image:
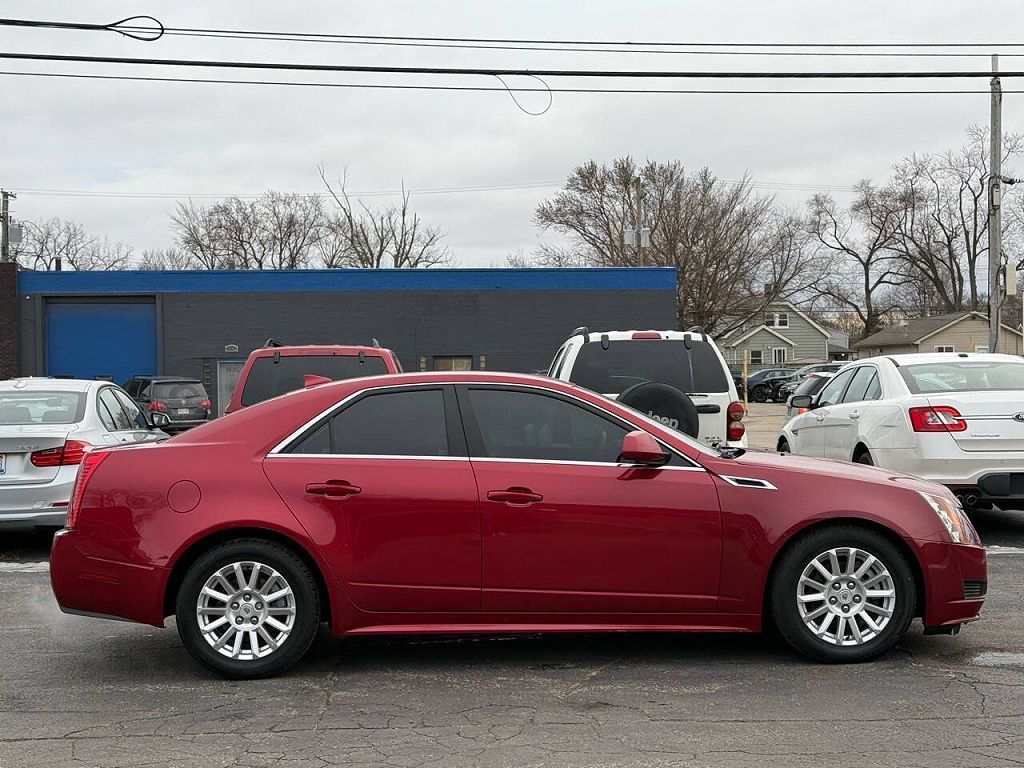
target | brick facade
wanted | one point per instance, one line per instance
(9, 326)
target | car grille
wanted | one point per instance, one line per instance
(975, 589)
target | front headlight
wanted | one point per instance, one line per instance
(953, 517)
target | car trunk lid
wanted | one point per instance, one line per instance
(995, 420)
(19, 442)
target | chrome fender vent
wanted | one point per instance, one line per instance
(749, 482)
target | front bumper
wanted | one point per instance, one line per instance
(946, 568)
(96, 587)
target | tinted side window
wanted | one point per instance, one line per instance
(268, 379)
(131, 409)
(830, 395)
(527, 425)
(857, 391)
(116, 415)
(388, 424)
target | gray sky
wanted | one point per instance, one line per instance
(186, 139)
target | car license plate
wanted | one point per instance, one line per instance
(3, 463)
(183, 411)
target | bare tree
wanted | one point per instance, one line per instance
(733, 251)
(275, 231)
(856, 240)
(166, 259)
(60, 244)
(389, 237)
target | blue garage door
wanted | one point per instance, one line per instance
(89, 339)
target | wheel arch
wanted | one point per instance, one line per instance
(195, 550)
(859, 449)
(894, 538)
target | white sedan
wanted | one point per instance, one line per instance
(954, 418)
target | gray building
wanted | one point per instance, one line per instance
(203, 324)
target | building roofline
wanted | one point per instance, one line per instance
(755, 330)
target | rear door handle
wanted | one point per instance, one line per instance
(516, 496)
(335, 489)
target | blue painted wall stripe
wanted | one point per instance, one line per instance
(243, 281)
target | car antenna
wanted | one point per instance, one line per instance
(375, 342)
(272, 343)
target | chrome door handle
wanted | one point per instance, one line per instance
(855, 415)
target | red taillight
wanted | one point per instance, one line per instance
(157, 405)
(69, 453)
(734, 427)
(937, 418)
(90, 461)
(206, 404)
(646, 335)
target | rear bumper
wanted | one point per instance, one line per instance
(945, 568)
(33, 505)
(95, 587)
(953, 467)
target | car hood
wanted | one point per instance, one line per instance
(767, 465)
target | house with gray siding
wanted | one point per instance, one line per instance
(780, 335)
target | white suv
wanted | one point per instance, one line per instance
(953, 418)
(677, 377)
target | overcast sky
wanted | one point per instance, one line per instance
(182, 139)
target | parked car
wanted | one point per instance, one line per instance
(811, 385)
(480, 503)
(183, 400)
(678, 377)
(758, 386)
(273, 370)
(954, 418)
(46, 425)
(782, 388)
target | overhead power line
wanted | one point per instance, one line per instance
(508, 71)
(502, 89)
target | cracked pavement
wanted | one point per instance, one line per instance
(84, 692)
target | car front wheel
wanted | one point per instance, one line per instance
(247, 609)
(759, 394)
(843, 594)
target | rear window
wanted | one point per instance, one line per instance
(41, 407)
(811, 385)
(668, 361)
(179, 390)
(963, 376)
(268, 379)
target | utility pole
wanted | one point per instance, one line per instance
(640, 220)
(5, 225)
(995, 233)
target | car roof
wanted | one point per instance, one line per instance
(321, 349)
(46, 384)
(950, 357)
(628, 335)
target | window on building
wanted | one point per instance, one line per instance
(945, 348)
(756, 357)
(777, 320)
(981, 347)
(453, 363)
(779, 355)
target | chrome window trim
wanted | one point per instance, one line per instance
(277, 449)
(364, 456)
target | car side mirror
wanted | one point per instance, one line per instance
(159, 420)
(802, 401)
(638, 447)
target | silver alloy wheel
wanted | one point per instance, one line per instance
(846, 596)
(246, 610)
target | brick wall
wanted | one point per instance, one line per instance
(9, 327)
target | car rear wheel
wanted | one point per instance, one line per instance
(843, 594)
(248, 608)
(784, 446)
(864, 458)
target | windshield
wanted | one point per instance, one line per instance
(268, 379)
(668, 361)
(963, 376)
(690, 441)
(41, 407)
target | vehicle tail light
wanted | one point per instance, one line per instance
(734, 427)
(646, 335)
(158, 405)
(90, 462)
(937, 418)
(66, 455)
(206, 404)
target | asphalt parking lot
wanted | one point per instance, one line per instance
(83, 692)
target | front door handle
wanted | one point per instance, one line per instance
(516, 496)
(855, 415)
(335, 489)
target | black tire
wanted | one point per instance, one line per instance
(785, 611)
(667, 404)
(864, 457)
(306, 606)
(759, 394)
(784, 446)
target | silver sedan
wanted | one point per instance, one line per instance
(45, 427)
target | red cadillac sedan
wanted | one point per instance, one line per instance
(477, 503)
